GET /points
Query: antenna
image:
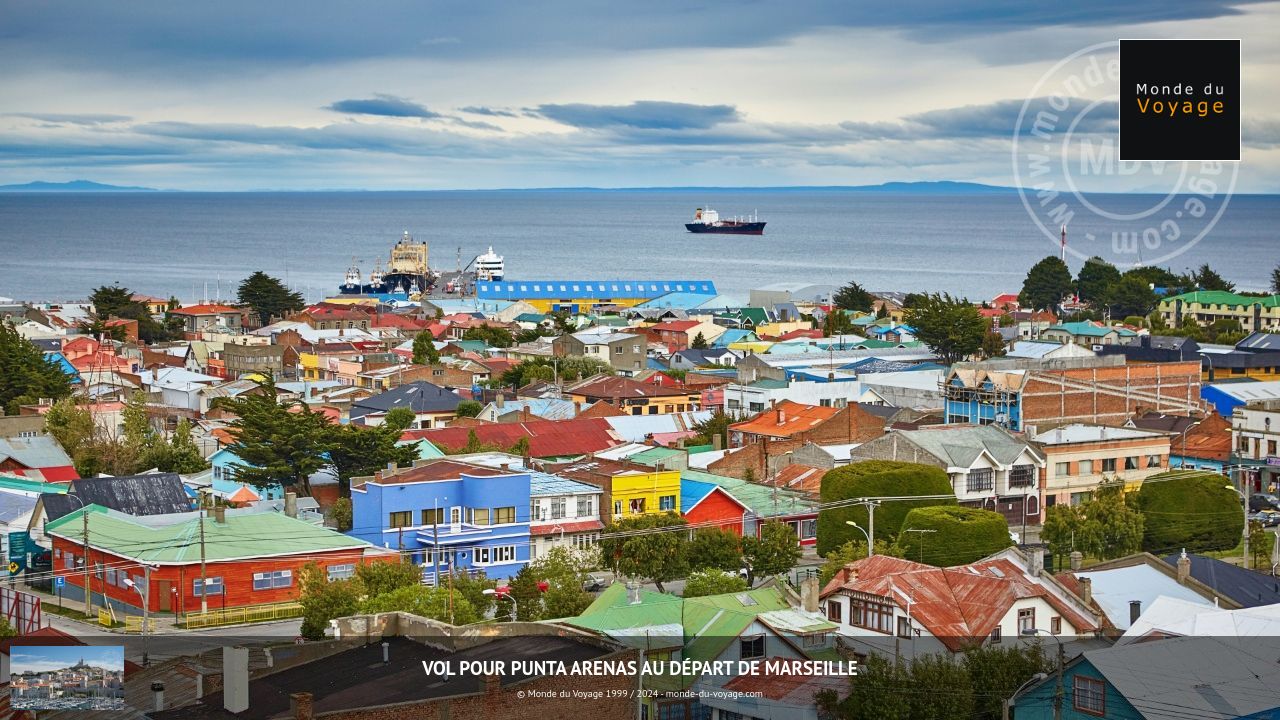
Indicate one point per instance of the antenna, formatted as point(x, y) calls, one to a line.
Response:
point(1064, 243)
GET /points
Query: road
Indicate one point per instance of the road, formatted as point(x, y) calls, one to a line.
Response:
point(168, 643)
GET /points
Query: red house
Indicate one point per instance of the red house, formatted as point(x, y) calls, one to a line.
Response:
point(706, 505)
point(251, 557)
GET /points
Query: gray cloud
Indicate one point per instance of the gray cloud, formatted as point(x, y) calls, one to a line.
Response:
point(491, 112)
point(72, 118)
point(642, 114)
point(384, 106)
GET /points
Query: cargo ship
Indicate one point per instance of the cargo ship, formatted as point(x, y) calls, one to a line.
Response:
point(407, 273)
point(708, 221)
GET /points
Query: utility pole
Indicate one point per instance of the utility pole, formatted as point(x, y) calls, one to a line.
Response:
point(204, 581)
point(88, 589)
point(871, 506)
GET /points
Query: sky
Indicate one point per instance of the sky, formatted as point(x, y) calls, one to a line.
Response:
point(422, 94)
point(52, 657)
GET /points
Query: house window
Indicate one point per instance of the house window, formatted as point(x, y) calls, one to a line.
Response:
point(1089, 695)
point(212, 585)
point(404, 518)
point(584, 506)
point(341, 572)
point(1086, 467)
point(980, 480)
point(808, 529)
point(1022, 476)
point(495, 555)
point(1109, 465)
point(751, 647)
point(667, 502)
point(1062, 469)
point(1153, 461)
point(536, 512)
point(904, 627)
point(1055, 625)
point(1131, 462)
point(617, 507)
point(557, 508)
point(872, 615)
point(434, 516)
point(504, 515)
point(1026, 620)
point(618, 350)
point(111, 576)
point(637, 506)
point(996, 636)
point(814, 640)
point(479, 516)
point(835, 613)
point(269, 580)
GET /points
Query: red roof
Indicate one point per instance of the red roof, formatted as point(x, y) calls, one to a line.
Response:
point(209, 309)
point(804, 478)
point(547, 438)
point(676, 325)
point(392, 320)
point(801, 333)
point(584, 526)
point(443, 469)
point(789, 689)
point(54, 473)
point(612, 386)
point(337, 311)
point(786, 419)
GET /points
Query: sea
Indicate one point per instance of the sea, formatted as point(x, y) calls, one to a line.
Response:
point(59, 246)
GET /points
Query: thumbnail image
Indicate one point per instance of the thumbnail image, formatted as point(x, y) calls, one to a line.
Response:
point(67, 678)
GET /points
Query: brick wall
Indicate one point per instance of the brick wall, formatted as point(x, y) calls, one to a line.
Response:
point(851, 424)
point(1114, 394)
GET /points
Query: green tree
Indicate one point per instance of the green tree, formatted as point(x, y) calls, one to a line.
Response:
point(1095, 281)
point(341, 514)
point(424, 349)
point(852, 551)
point(280, 442)
point(472, 587)
point(957, 535)
point(993, 345)
point(186, 456)
point(715, 426)
point(1275, 279)
point(712, 582)
point(564, 570)
point(540, 369)
point(1260, 543)
point(1189, 509)
point(360, 450)
point(113, 301)
point(853, 297)
point(469, 408)
point(399, 419)
point(837, 322)
point(774, 552)
point(715, 549)
point(1206, 278)
point(380, 578)
point(426, 601)
point(26, 375)
point(1105, 526)
point(267, 297)
point(322, 600)
point(952, 328)
point(996, 671)
point(6, 630)
point(1047, 283)
point(491, 335)
point(870, 479)
point(1131, 296)
point(658, 555)
point(699, 342)
point(73, 427)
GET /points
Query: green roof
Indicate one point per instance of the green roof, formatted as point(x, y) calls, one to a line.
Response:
point(760, 499)
point(654, 455)
point(426, 449)
point(531, 317)
point(694, 449)
point(1222, 297)
point(249, 535)
point(1088, 329)
point(17, 483)
point(478, 346)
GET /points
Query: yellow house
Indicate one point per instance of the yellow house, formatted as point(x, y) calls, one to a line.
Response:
point(1254, 313)
point(778, 329)
point(309, 365)
point(629, 490)
point(755, 346)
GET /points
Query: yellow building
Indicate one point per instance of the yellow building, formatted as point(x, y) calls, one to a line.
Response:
point(1203, 307)
point(629, 490)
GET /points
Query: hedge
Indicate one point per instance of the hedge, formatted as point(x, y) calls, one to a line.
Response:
point(876, 478)
point(960, 535)
point(1192, 510)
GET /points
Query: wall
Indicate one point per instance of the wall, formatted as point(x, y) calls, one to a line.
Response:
point(717, 506)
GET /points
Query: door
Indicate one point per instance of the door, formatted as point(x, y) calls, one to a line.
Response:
point(165, 589)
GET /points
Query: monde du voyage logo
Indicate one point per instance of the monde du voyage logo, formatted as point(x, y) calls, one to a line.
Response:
point(1180, 100)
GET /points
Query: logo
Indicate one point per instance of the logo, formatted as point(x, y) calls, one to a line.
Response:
point(1087, 201)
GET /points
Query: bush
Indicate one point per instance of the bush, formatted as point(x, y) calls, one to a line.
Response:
point(961, 535)
point(876, 478)
point(1192, 510)
point(713, 582)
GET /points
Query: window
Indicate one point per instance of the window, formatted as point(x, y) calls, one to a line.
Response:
point(904, 627)
point(814, 640)
point(667, 502)
point(980, 480)
point(1131, 462)
point(1055, 625)
point(808, 529)
point(69, 561)
point(212, 586)
point(494, 555)
point(504, 515)
point(835, 613)
point(1089, 695)
point(479, 516)
point(557, 508)
point(341, 572)
point(1062, 469)
point(871, 615)
point(1153, 461)
point(996, 636)
point(1022, 476)
point(585, 506)
point(401, 519)
point(637, 506)
point(617, 507)
point(752, 647)
point(1086, 467)
point(434, 516)
point(536, 512)
point(618, 350)
point(1109, 465)
point(269, 580)
point(111, 577)
point(1026, 620)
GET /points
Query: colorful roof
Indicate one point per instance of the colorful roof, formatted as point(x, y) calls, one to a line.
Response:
point(589, 289)
point(762, 500)
point(547, 438)
point(207, 309)
point(573, 527)
point(1222, 297)
point(786, 419)
point(243, 495)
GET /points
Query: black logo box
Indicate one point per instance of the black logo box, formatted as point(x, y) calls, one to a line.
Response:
point(1205, 73)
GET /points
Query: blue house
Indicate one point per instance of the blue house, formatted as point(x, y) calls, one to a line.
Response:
point(225, 466)
point(447, 515)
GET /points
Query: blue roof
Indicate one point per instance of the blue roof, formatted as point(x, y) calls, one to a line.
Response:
point(541, 483)
point(692, 492)
point(678, 300)
point(733, 335)
point(589, 289)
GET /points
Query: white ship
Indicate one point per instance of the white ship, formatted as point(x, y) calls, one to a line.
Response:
point(489, 266)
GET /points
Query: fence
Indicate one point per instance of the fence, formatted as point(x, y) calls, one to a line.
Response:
point(236, 616)
point(21, 610)
point(133, 623)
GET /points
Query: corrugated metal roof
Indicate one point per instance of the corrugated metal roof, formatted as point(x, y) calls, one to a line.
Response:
point(589, 289)
point(547, 438)
point(1077, 433)
point(40, 451)
point(634, 428)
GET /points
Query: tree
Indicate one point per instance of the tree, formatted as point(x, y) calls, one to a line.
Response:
point(426, 601)
point(1096, 279)
point(186, 456)
point(74, 429)
point(281, 443)
point(774, 552)
point(699, 342)
point(958, 535)
point(569, 369)
point(1207, 279)
point(870, 479)
point(380, 578)
point(267, 297)
point(26, 375)
point(715, 426)
point(469, 408)
point(1131, 296)
point(564, 570)
point(715, 549)
point(491, 335)
point(1260, 543)
point(1047, 283)
point(837, 322)
point(852, 551)
point(472, 587)
point(853, 297)
point(6, 630)
point(341, 513)
point(113, 301)
point(360, 450)
point(1275, 280)
point(952, 328)
point(658, 555)
point(323, 600)
point(424, 349)
point(1105, 526)
point(1189, 509)
point(993, 345)
point(712, 582)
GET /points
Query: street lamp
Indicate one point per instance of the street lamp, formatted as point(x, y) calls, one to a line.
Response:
point(145, 594)
point(507, 595)
point(870, 550)
point(1006, 704)
point(1244, 502)
point(1057, 694)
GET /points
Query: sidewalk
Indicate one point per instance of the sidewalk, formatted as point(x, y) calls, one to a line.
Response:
point(49, 602)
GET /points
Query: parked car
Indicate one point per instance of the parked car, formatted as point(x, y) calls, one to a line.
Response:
point(1268, 518)
point(1263, 501)
point(593, 584)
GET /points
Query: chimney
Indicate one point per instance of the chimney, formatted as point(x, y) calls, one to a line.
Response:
point(235, 679)
point(1077, 560)
point(1036, 562)
point(220, 515)
point(577, 408)
point(782, 415)
point(1184, 568)
point(1135, 611)
point(1086, 590)
point(386, 653)
point(392, 467)
point(500, 401)
point(773, 402)
point(157, 692)
point(525, 415)
point(717, 442)
point(301, 706)
point(291, 504)
point(633, 592)
point(505, 465)
point(809, 594)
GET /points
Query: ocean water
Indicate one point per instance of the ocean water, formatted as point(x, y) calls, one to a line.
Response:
point(61, 246)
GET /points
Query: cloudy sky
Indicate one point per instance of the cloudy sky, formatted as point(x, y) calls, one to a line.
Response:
point(414, 94)
point(50, 657)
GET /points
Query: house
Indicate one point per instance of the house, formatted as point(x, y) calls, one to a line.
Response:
point(1246, 588)
point(199, 318)
point(989, 468)
point(524, 409)
point(239, 569)
point(1044, 349)
point(224, 467)
point(545, 438)
point(333, 316)
point(450, 516)
point(690, 359)
point(1176, 678)
point(274, 360)
point(1255, 435)
point(752, 625)
point(1168, 617)
point(707, 505)
point(663, 429)
point(432, 405)
point(893, 606)
point(768, 695)
point(36, 456)
point(627, 489)
point(766, 504)
point(1122, 589)
point(679, 335)
point(1087, 334)
point(633, 397)
point(786, 427)
point(623, 351)
point(1205, 307)
point(735, 335)
point(1079, 458)
point(136, 495)
point(1196, 442)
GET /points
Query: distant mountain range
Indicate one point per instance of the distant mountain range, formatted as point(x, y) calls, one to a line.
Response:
point(72, 186)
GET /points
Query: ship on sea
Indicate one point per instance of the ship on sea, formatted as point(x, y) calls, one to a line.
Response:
point(489, 266)
point(407, 273)
point(708, 221)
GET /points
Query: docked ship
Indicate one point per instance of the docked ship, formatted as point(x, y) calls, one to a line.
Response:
point(407, 273)
point(708, 221)
point(489, 266)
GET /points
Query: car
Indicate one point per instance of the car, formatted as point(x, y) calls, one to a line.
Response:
point(1263, 501)
point(1268, 518)
point(593, 584)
